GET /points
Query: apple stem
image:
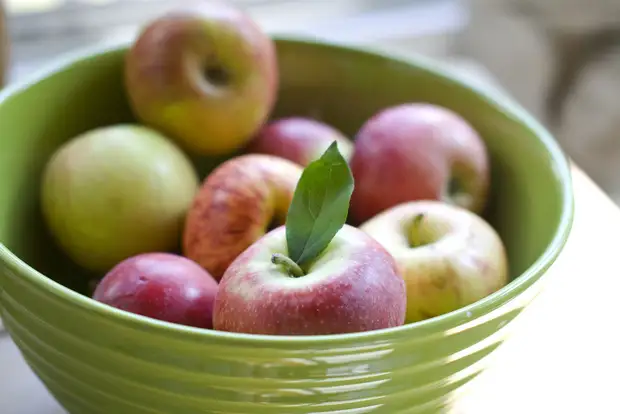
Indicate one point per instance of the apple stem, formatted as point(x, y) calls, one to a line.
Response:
point(291, 267)
point(414, 234)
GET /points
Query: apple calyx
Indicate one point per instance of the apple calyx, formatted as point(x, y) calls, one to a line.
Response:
point(317, 211)
point(216, 75)
point(292, 268)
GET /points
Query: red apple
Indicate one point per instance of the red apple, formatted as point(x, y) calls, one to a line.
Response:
point(299, 139)
point(414, 152)
point(206, 76)
point(352, 286)
point(162, 286)
point(448, 256)
point(236, 205)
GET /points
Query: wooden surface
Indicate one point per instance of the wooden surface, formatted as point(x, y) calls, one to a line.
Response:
point(562, 357)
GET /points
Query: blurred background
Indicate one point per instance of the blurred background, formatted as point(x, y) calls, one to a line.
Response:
point(556, 57)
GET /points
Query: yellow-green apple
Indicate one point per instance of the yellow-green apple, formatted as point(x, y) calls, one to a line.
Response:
point(162, 286)
point(117, 191)
point(299, 139)
point(352, 286)
point(448, 256)
point(206, 75)
point(237, 204)
point(418, 151)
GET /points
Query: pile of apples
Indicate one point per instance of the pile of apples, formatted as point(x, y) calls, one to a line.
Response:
point(302, 230)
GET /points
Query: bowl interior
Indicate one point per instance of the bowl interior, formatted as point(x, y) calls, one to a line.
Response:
point(341, 86)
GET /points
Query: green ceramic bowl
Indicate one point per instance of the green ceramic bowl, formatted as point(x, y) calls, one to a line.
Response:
point(95, 359)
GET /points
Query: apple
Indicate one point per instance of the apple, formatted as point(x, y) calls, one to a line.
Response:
point(299, 139)
point(418, 151)
point(205, 75)
point(448, 256)
point(162, 286)
point(352, 286)
point(237, 204)
point(116, 191)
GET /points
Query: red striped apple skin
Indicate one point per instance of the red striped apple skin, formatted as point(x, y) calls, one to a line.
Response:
point(235, 206)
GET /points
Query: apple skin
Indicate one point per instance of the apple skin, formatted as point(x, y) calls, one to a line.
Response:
point(417, 151)
point(206, 75)
point(299, 139)
point(456, 257)
point(353, 286)
point(162, 286)
point(117, 191)
point(235, 206)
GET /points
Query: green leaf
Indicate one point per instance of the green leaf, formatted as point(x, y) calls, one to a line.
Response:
point(319, 207)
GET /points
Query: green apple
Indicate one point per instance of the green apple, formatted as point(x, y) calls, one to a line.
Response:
point(448, 256)
point(117, 191)
point(206, 76)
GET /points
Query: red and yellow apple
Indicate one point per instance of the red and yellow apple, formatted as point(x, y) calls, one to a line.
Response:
point(418, 151)
point(299, 139)
point(162, 286)
point(448, 256)
point(117, 191)
point(352, 286)
point(236, 205)
point(205, 75)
